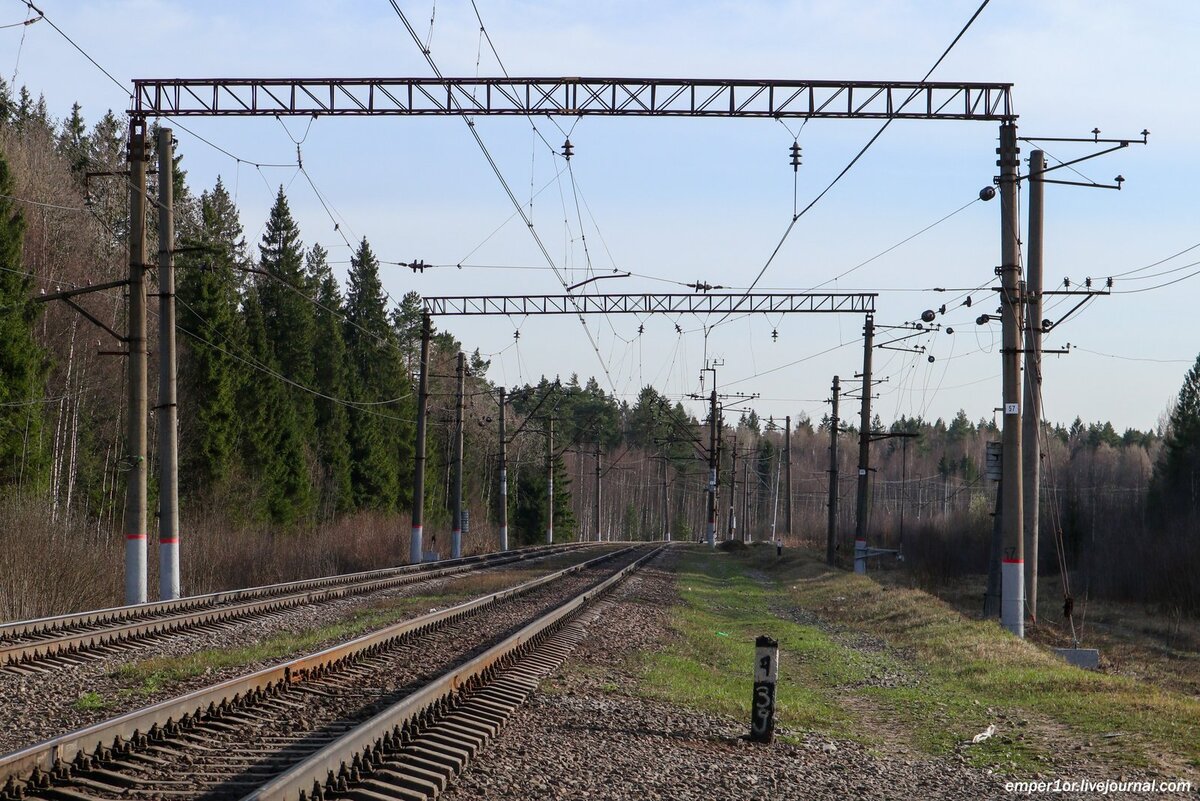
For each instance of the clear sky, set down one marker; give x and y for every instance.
(681, 200)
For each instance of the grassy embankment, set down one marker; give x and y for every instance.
(875, 664)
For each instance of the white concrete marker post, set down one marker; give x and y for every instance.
(766, 673)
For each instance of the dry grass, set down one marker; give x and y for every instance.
(49, 568)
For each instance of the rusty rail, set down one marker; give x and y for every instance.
(37, 763)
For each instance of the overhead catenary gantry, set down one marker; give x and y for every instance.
(641, 303)
(568, 96)
(742, 303)
(604, 97)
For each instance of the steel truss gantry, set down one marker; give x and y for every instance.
(740, 303)
(578, 97)
(621, 97)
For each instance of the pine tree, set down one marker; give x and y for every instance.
(212, 330)
(333, 379)
(273, 447)
(23, 364)
(287, 313)
(406, 321)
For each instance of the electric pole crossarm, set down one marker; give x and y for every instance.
(573, 97)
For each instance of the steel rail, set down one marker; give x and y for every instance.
(33, 626)
(334, 760)
(36, 644)
(35, 764)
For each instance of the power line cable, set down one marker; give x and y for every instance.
(470, 123)
(886, 124)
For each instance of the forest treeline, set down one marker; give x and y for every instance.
(297, 411)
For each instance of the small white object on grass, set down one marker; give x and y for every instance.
(984, 735)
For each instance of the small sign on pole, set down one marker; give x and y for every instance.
(466, 521)
(766, 673)
(994, 460)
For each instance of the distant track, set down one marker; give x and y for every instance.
(47, 643)
(406, 706)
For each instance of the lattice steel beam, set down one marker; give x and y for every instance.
(804, 303)
(638, 97)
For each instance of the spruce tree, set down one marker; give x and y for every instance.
(272, 447)
(72, 139)
(212, 332)
(333, 379)
(287, 313)
(380, 436)
(23, 363)
(1176, 483)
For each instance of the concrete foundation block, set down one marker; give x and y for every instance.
(1086, 658)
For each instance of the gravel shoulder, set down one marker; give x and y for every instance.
(592, 734)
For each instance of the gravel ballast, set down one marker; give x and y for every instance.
(40, 706)
(586, 735)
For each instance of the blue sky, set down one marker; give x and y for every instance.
(681, 200)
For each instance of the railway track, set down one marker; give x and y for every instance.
(393, 714)
(47, 643)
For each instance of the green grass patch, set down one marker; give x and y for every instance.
(959, 675)
(149, 676)
(710, 664)
(90, 702)
(974, 665)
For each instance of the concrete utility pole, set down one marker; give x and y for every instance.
(503, 476)
(1012, 607)
(666, 503)
(549, 480)
(731, 526)
(991, 594)
(787, 455)
(831, 533)
(712, 465)
(599, 491)
(460, 403)
(167, 411)
(864, 451)
(136, 413)
(1032, 419)
(415, 553)
(745, 500)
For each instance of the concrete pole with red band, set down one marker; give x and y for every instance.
(167, 410)
(1012, 568)
(415, 554)
(135, 343)
(456, 530)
